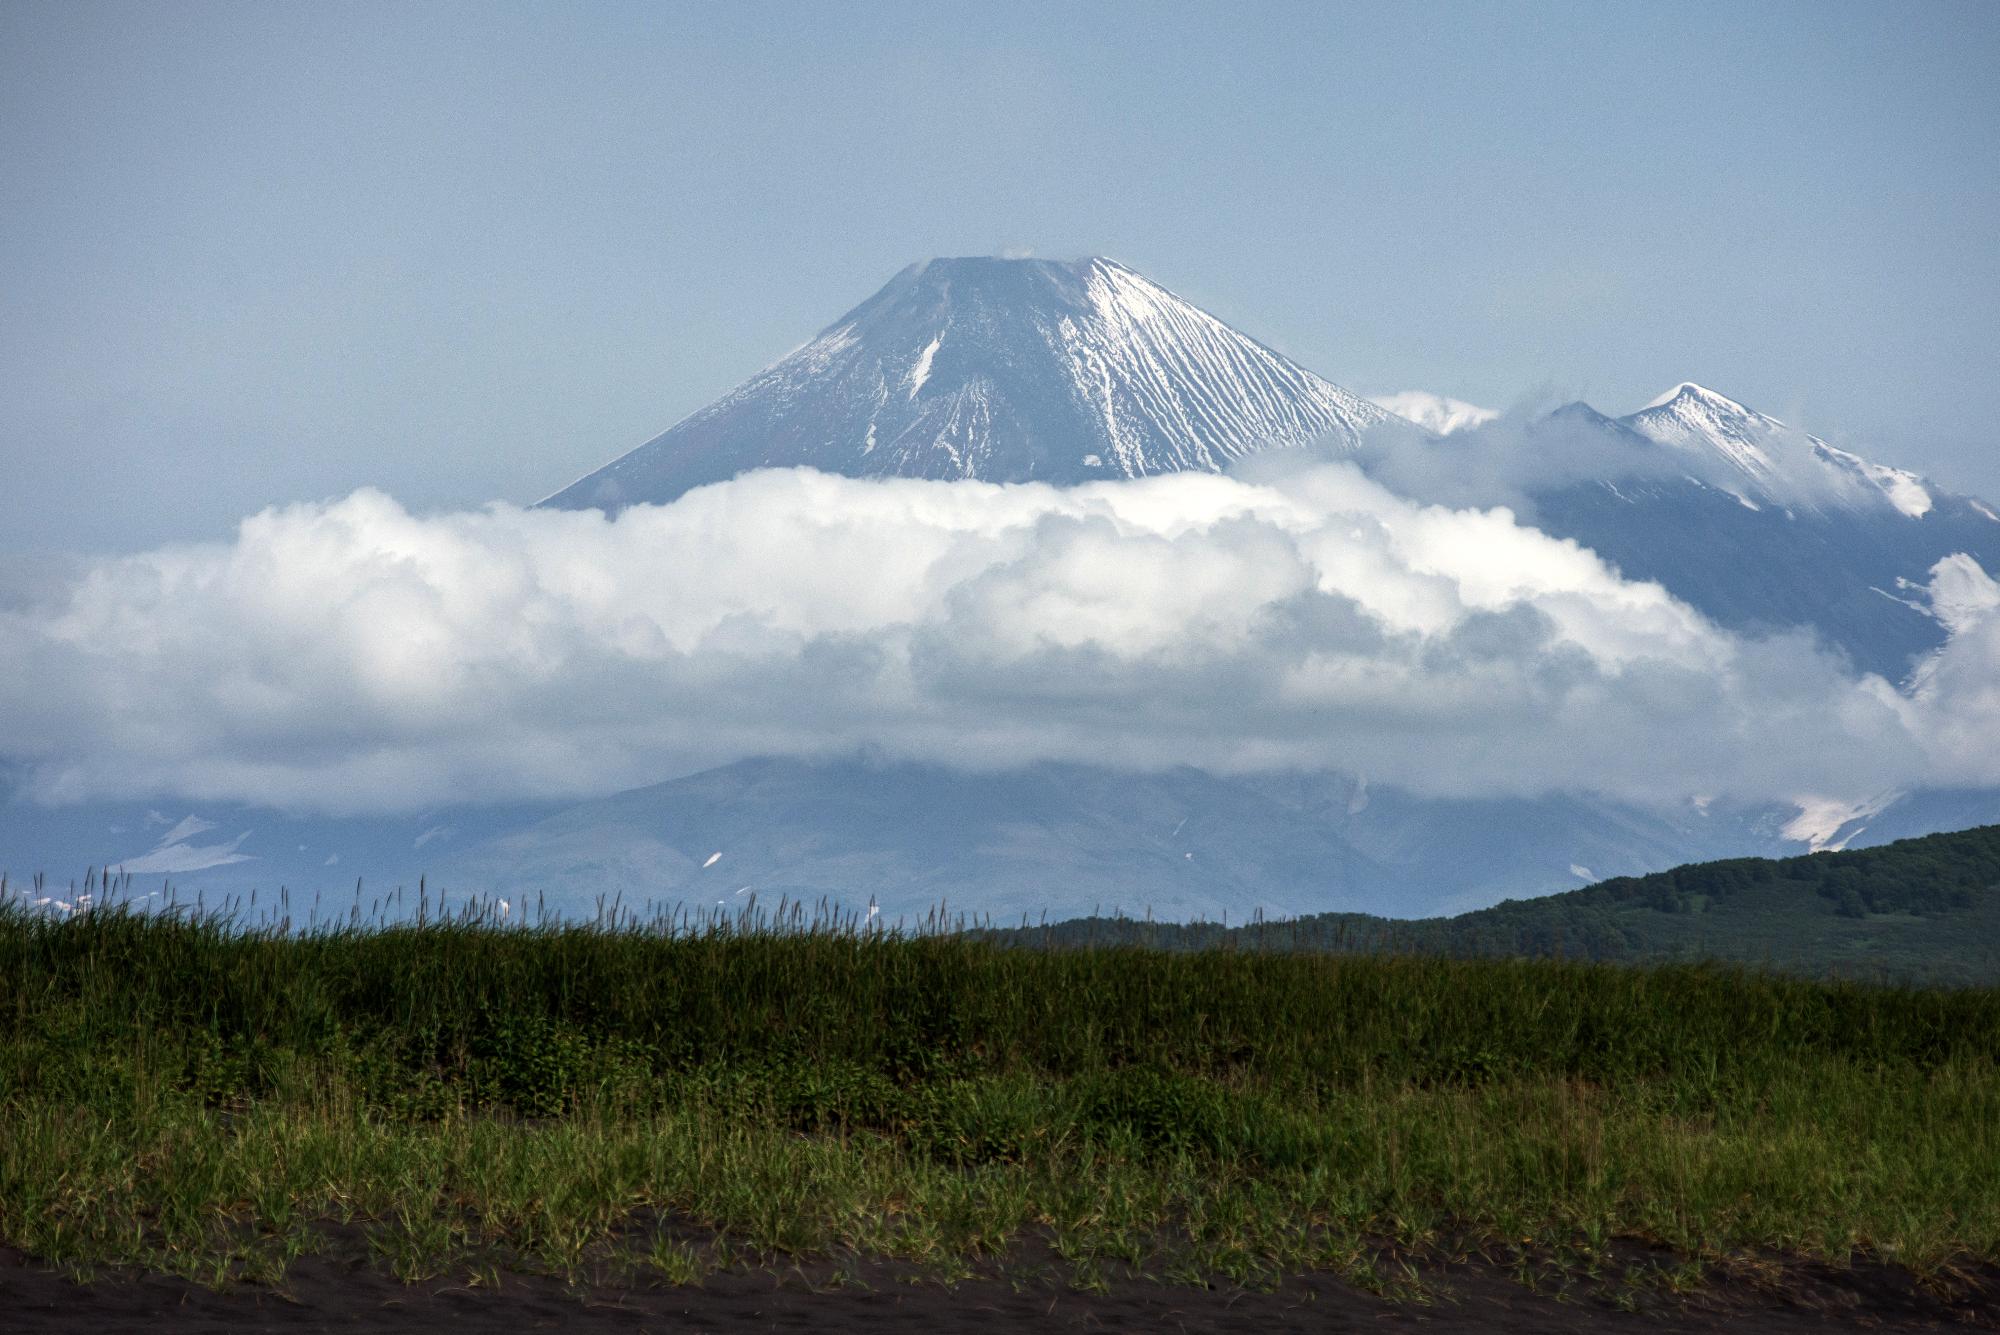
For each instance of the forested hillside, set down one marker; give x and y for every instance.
(1920, 910)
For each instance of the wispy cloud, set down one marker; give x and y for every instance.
(175, 855)
(188, 828)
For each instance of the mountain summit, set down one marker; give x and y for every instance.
(1006, 370)
(1766, 462)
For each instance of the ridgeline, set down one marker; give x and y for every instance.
(1916, 911)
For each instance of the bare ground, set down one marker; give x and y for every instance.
(342, 1290)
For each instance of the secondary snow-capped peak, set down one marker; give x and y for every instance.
(1436, 413)
(1703, 395)
(1768, 462)
(1003, 370)
(1693, 416)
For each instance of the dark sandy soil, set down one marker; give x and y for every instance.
(326, 1293)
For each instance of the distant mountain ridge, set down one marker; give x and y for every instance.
(1776, 464)
(1923, 910)
(1068, 839)
(1060, 840)
(1762, 527)
(1002, 370)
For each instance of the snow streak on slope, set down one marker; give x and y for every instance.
(1828, 825)
(1769, 463)
(1005, 371)
(1435, 412)
(1180, 389)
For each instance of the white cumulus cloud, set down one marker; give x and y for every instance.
(350, 656)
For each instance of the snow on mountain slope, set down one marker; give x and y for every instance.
(1828, 825)
(1904, 490)
(1769, 463)
(1691, 418)
(1002, 370)
(1761, 526)
(1435, 412)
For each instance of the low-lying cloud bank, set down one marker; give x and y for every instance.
(350, 657)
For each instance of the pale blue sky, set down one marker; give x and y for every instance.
(254, 252)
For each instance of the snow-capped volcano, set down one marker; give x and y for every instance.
(1006, 370)
(1032, 370)
(1767, 462)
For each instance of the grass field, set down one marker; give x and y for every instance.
(470, 1098)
